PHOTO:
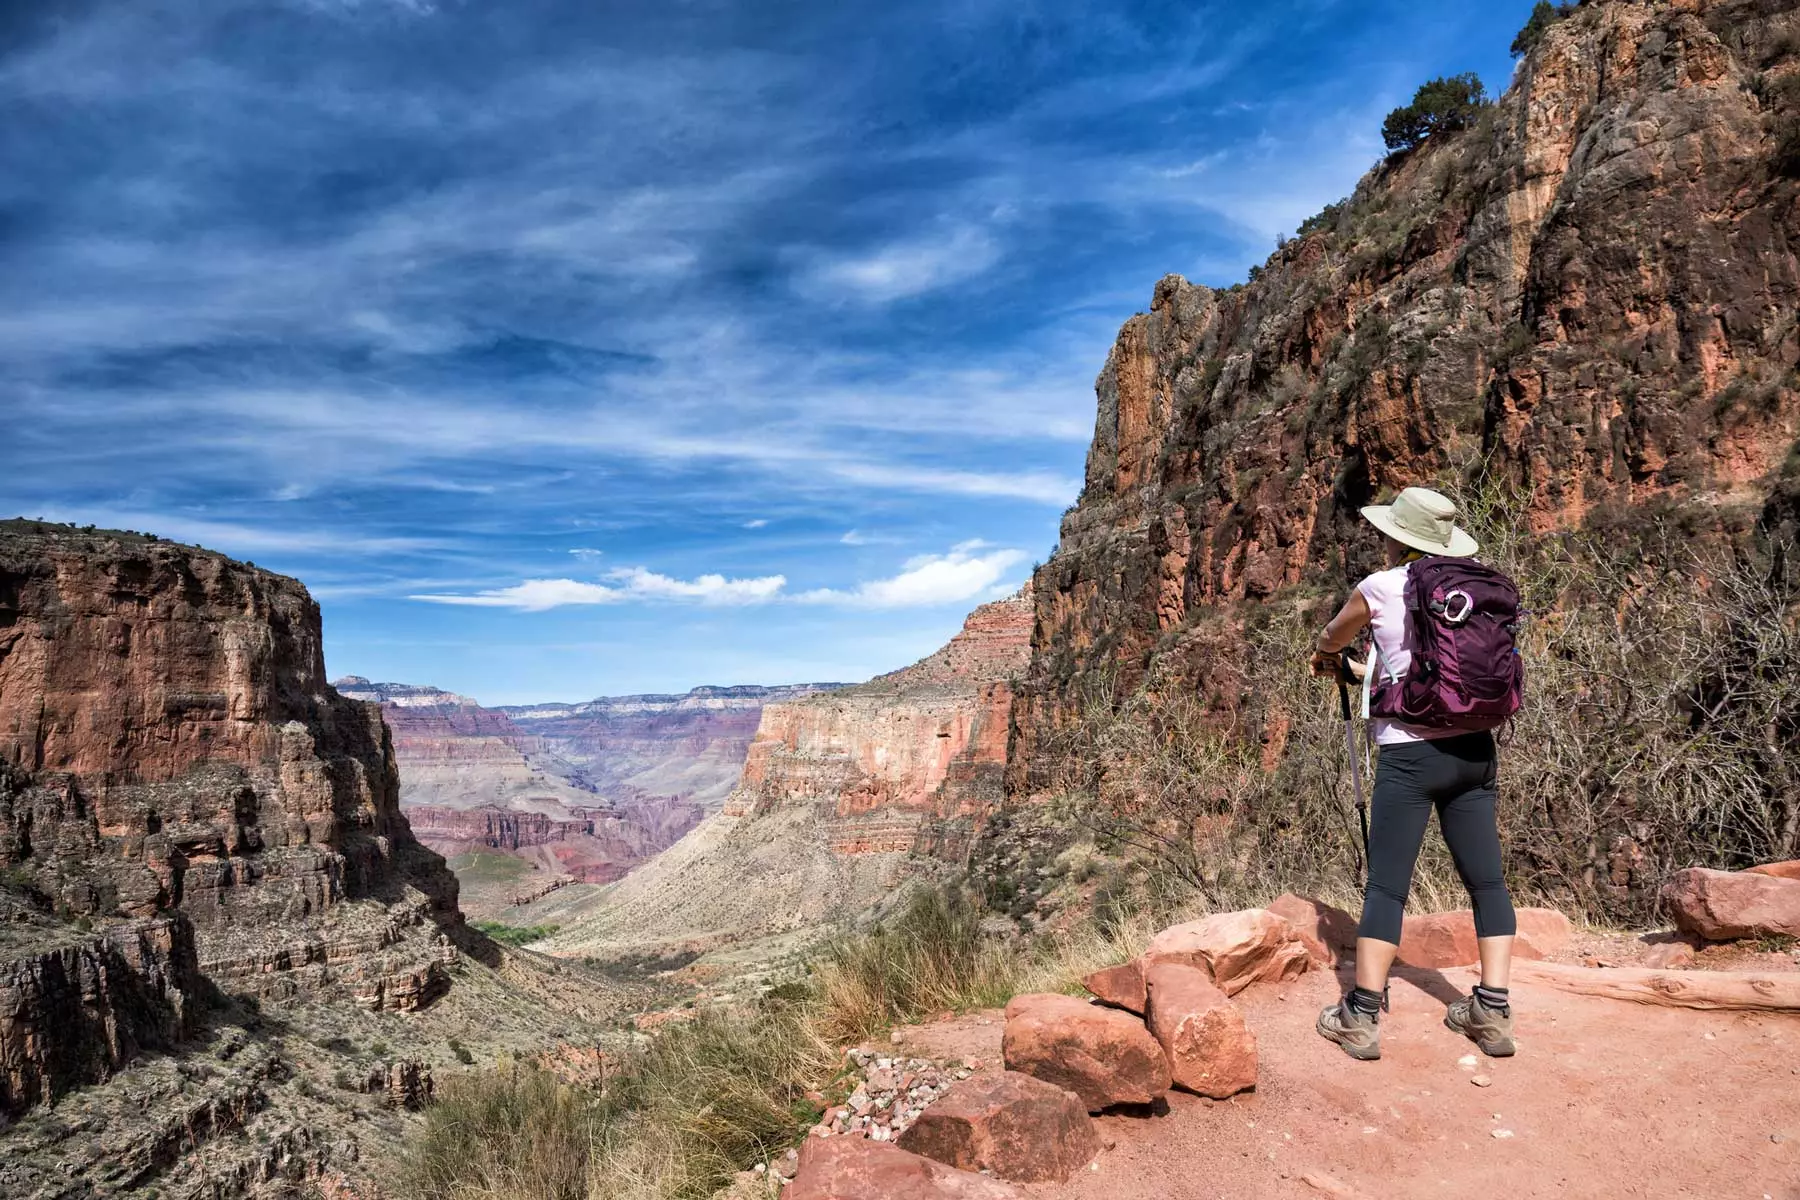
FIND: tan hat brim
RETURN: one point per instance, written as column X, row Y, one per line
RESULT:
column 1381, row 516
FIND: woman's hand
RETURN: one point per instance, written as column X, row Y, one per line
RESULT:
column 1325, row 664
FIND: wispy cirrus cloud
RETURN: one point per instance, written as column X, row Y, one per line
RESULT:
column 424, row 298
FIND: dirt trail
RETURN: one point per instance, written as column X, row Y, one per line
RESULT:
column 1605, row 1099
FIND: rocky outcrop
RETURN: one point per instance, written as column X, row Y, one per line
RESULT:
column 453, row 753
column 175, row 770
column 213, row 915
column 74, row 1010
column 1592, row 290
column 908, row 761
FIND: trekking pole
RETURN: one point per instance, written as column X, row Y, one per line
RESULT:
column 1345, row 677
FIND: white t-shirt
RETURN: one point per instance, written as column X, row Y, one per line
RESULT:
column 1385, row 592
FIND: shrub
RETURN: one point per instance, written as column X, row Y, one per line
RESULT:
column 1440, row 106
column 1543, row 16
column 515, row 935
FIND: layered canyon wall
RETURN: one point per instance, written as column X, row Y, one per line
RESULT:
column 690, row 745
column 1590, row 295
column 183, row 798
column 912, row 759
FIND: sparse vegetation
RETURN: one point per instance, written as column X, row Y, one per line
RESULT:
column 714, row 1092
column 1442, row 105
column 1543, row 16
column 1663, row 683
column 515, row 935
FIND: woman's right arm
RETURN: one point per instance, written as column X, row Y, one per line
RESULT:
column 1340, row 631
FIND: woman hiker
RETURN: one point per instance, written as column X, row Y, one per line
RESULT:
column 1451, row 770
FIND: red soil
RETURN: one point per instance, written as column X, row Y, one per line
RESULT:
column 1605, row 1099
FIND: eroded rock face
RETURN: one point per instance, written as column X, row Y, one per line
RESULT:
column 1593, row 291
column 690, row 745
column 73, row 1011
column 1014, row 1126
column 175, row 771
column 1103, row 1055
column 910, row 760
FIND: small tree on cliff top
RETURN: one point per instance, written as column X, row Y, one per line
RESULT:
column 1542, row 18
column 1440, row 106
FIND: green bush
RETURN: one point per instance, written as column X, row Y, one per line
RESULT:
column 1440, row 106
column 1542, row 18
column 515, row 935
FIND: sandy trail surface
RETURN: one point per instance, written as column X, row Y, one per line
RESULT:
column 1604, row 1099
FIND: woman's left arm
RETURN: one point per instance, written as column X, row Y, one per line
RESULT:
column 1340, row 631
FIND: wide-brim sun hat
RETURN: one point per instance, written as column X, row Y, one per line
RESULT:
column 1423, row 520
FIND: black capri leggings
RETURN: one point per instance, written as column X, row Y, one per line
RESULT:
column 1456, row 775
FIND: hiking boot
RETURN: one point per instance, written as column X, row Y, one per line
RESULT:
column 1488, row 1028
column 1359, row 1034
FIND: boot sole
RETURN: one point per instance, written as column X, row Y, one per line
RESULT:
column 1504, row 1049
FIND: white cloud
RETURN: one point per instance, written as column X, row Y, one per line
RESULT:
column 710, row 589
column 587, row 553
column 756, row 524
column 632, row 583
column 969, row 570
column 534, row 595
column 972, row 570
column 904, row 269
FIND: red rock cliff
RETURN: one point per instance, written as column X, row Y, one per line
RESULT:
column 172, row 753
column 1593, row 290
column 909, row 760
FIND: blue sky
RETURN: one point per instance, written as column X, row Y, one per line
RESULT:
column 568, row 349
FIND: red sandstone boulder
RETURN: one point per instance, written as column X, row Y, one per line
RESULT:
column 1103, row 1055
column 1012, row 1125
column 1325, row 931
column 1237, row 949
column 1780, row 870
column 1121, row 986
column 1211, row 1051
column 853, row 1168
column 1447, row 939
column 1722, row 905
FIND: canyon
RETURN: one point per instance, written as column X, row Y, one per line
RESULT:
column 844, row 796
column 526, row 799
column 197, row 834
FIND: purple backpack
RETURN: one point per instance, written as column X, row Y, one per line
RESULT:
column 1461, row 618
